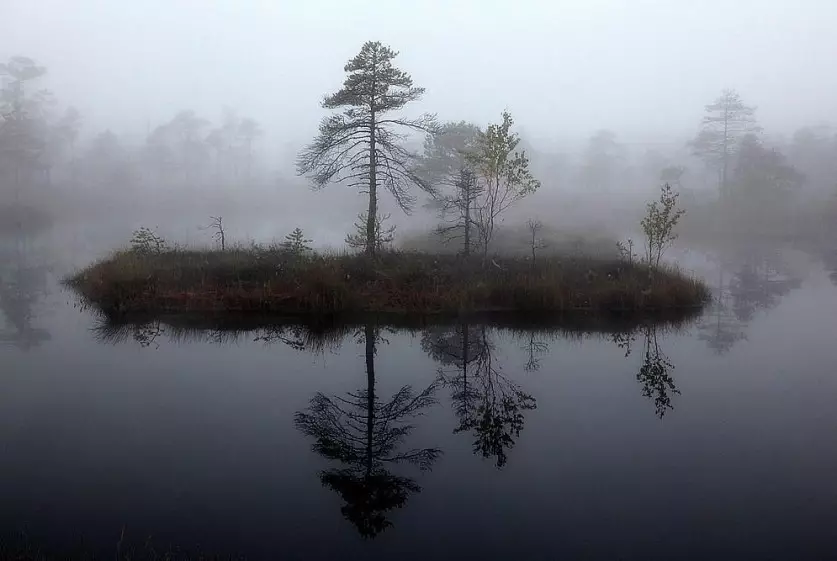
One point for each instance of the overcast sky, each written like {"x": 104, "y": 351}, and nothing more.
{"x": 564, "y": 68}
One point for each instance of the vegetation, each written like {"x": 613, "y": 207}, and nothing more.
{"x": 278, "y": 281}
{"x": 659, "y": 226}
{"x": 382, "y": 236}
{"x": 726, "y": 122}
{"x": 146, "y": 241}
{"x": 296, "y": 243}
{"x": 448, "y": 164}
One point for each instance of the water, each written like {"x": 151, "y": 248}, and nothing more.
{"x": 712, "y": 439}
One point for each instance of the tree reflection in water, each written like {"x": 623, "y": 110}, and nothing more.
{"x": 487, "y": 403}
{"x": 364, "y": 434}
{"x": 655, "y": 370}
{"x": 22, "y": 285}
{"x": 747, "y": 283}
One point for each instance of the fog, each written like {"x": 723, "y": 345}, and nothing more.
{"x": 564, "y": 70}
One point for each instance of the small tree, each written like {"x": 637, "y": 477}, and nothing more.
{"x": 296, "y": 242}
{"x": 535, "y": 226}
{"x": 626, "y": 250}
{"x": 505, "y": 177}
{"x": 220, "y": 235}
{"x": 382, "y": 236}
{"x": 659, "y": 224}
{"x": 145, "y": 241}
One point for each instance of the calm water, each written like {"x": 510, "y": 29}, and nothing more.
{"x": 715, "y": 439}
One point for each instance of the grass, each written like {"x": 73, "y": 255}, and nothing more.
{"x": 243, "y": 281}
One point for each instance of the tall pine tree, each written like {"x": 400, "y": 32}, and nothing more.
{"x": 361, "y": 145}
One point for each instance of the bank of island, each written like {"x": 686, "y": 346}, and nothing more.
{"x": 277, "y": 281}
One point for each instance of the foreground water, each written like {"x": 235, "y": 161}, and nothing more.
{"x": 714, "y": 439}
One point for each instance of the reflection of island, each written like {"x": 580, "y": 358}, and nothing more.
{"x": 22, "y": 285}
{"x": 757, "y": 280}
{"x": 364, "y": 434}
{"x": 487, "y": 403}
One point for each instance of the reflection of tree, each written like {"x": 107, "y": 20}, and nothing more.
{"x": 22, "y": 285}
{"x": 487, "y": 403}
{"x": 535, "y": 347}
{"x": 758, "y": 282}
{"x": 654, "y": 374}
{"x": 148, "y": 333}
{"x": 364, "y": 434}
{"x": 720, "y": 328}
{"x": 655, "y": 371}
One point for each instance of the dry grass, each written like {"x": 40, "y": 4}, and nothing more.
{"x": 274, "y": 281}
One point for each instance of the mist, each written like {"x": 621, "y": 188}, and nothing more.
{"x": 604, "y": 95}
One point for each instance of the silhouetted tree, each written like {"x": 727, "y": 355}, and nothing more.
{"x": 659, "y": 225}
{"x": 361, "y": 146}
{"x": 726, "y": 122}
{"x": 363, "y": 434}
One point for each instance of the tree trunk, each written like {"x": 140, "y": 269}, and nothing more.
{"x": 373, "y": 194}
{"x": 467, "y": 248}
{"x": 373, "y": 179}
{"x": 726, "y": 156}
{"x": 533, "y": 245}
{"x": 369, "y": 335}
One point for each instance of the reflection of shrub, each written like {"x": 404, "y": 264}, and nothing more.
{"x": 145, "y": 241}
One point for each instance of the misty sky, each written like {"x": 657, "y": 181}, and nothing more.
{"x": 564, "y": 68}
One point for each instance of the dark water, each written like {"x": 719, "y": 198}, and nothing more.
{"x": 714, "y": 439}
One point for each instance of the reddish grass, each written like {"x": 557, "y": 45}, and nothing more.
{"x": 257, "y": 280}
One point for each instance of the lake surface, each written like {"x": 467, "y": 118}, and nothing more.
{"x": 714, "y": 439}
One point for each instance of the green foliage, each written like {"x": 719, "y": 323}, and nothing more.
{"x": 145, "y": 241}
{"x": 504, "y": 175}
{"x": 382, "y": 238}
{"x": 297, "y": 243}
{"x": 659, "y": 225}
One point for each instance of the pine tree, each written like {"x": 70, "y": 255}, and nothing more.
{"x": 297, "y": 243}
{"x": 382, "y": 236}
{"x": 726, "y": 122}
{"x": 360, "y": 146}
